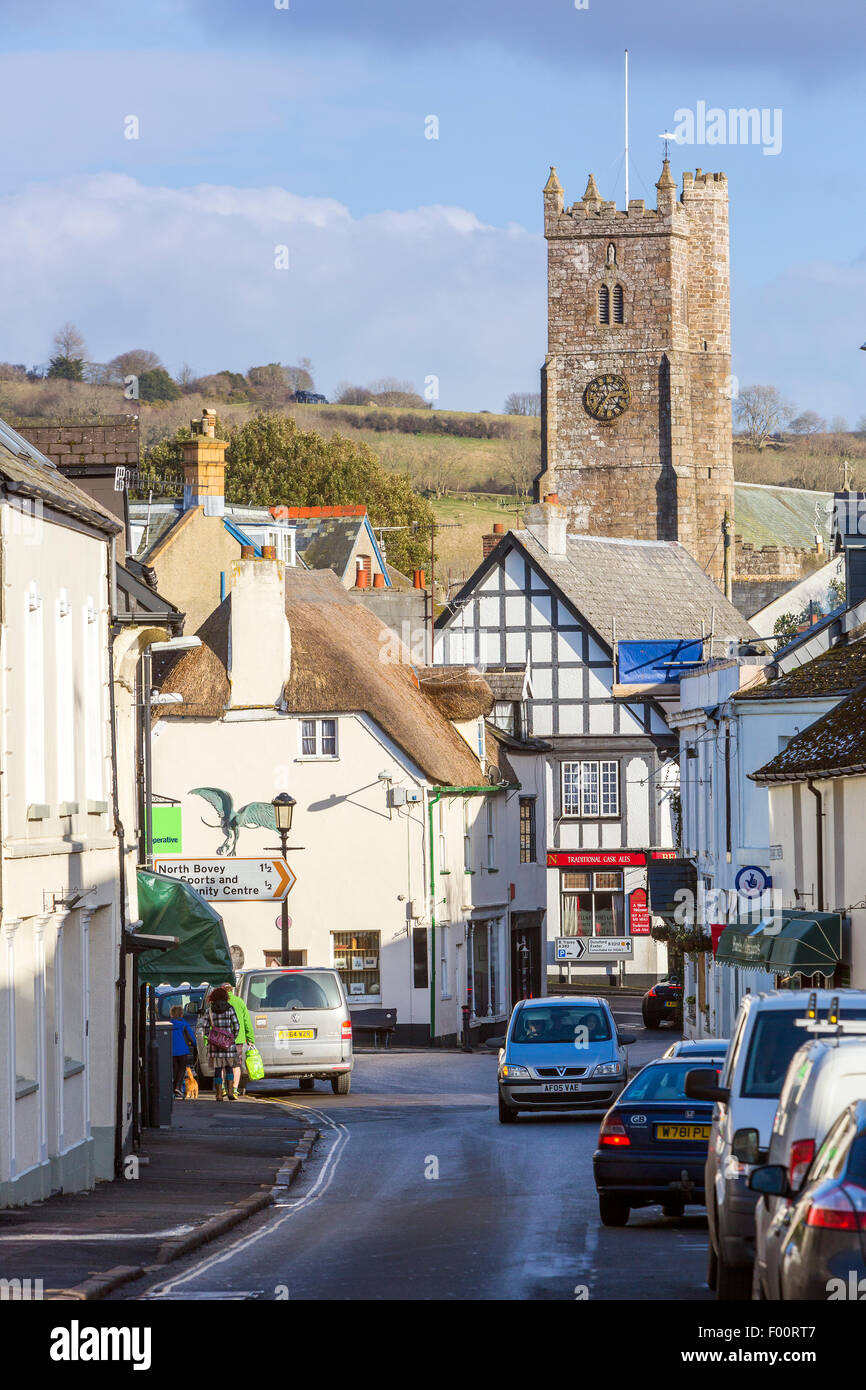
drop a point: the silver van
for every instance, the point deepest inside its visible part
(825, 1076)
(302, 1025)
(765, 1037)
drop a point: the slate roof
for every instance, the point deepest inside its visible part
(30, 474)
(766, 515)
(327, 542)
(834, 746)
(654, 589)
(506, 682)
(837, 671)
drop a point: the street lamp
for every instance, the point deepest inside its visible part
(284, 806)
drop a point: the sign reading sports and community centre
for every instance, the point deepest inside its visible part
(232, 880)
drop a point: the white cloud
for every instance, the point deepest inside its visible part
(190, 272)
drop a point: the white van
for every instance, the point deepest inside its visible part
(765, 1038)
(825, 1076)
(302, 1026)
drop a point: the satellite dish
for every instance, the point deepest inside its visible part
(494, 776)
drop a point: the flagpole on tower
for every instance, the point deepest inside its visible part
(626, 130)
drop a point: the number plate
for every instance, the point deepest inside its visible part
(674, 1132)
(557, 1086)
(292, 1034)
(671, 1003)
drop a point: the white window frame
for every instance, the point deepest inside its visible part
(34, 698)
(319, 737)
(467, 837)
(591, 789)
(443, 836)
(444, 962)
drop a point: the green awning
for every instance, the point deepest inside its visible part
(746, 945)
(809, 943)
(170, 907)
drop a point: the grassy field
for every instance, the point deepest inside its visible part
(464, 520)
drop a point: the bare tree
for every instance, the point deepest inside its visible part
(760, 412)
(134, 363)
(523, 403)
(809, 422)
(523, 461)
(69, 343)
(186, 378)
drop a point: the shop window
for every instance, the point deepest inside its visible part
(590, 789)
(272, 958)
(356, 957)
(485, 961)
(592, 903)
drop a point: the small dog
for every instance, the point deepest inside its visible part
(191, 1087)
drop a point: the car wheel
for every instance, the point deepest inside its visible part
(758, 1295)
(675, 1207)
(712, 1267)
(342, 1085)
(507, 1116)
(613, 1209)
(307, 1083)
(734, 1282)
(651, 1022)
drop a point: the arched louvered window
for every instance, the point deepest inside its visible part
(603, 304)
(617, 304)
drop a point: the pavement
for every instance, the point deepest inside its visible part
(417, 1192)
(215, 1167)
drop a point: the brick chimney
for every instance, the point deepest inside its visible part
(490, 542)
(204, 471)
(548, 523)
(260, 641)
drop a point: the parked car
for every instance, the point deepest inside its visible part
(696, 1049)
(765, 1038)
(822, 1252)
(561, 1053)
(663, 1003)
(825, 1075)
(652, 1145)
(309, 398)
(301, 1023)
(190, 997)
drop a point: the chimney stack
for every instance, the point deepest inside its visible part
(204, 469)
(260, 642)
(548, 523)
(490, 542)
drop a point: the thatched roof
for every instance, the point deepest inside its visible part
(458, 692)
(343, 661)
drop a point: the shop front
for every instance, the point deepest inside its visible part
(793, 949)
(600, 898)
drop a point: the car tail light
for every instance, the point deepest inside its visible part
(346, 1029)
(834, 1211)
(612, 1135)
(802, 1154)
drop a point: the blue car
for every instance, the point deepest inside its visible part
(652, 1145)
(561, 1053)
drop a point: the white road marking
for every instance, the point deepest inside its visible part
(319, 1188)
(86, 1238)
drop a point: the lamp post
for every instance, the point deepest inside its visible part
(284, 806)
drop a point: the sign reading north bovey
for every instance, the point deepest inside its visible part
(593, 948)
(232, 880)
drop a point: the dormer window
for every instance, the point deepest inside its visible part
(603, 304)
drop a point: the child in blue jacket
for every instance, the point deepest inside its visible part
(182, 1049)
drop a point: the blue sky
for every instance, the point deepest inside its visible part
(305, 126)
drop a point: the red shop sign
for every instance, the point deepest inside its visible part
(638, 913)
(593, 859)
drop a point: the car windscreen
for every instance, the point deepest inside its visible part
(660, 1083)
(560, 1023)
(190, 1003)
(314, 989)
(775, 1038)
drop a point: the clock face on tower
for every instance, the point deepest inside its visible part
(606, 396)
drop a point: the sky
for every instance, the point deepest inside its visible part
(259, 125)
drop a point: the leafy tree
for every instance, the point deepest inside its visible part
(157, 385)
(271, 462)
(67, 368)
(785, 627)
(761, 411)
(836, 594)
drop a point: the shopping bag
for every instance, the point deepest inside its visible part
(254, 1064)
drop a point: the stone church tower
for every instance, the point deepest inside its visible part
(636, 409)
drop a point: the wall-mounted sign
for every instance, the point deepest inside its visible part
(166, 830)
(663, 854)
(752, 881)
(232, 880)
(593, 949)
(775, 851)
(593, 858)
(638, 913)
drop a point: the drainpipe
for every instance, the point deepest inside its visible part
(819, 839)
(121, 853)
(728, 568)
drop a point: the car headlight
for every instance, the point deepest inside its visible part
(512, 1072)
(608, 1069)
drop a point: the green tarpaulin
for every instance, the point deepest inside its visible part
(808, 943)
(744, 944)
(170, 907)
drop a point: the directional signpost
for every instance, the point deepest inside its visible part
(593, 948)
(232, 880)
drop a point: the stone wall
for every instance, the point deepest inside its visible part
(111, 440)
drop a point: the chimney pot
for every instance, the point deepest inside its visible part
(498, 528)
(553, 498)
(269, 552)
(379, 580)
(418, 579)
(362, 578)
(248, 552)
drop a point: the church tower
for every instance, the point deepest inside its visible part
(636, 386)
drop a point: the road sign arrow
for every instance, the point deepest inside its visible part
(580, 947)
(287, 879)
